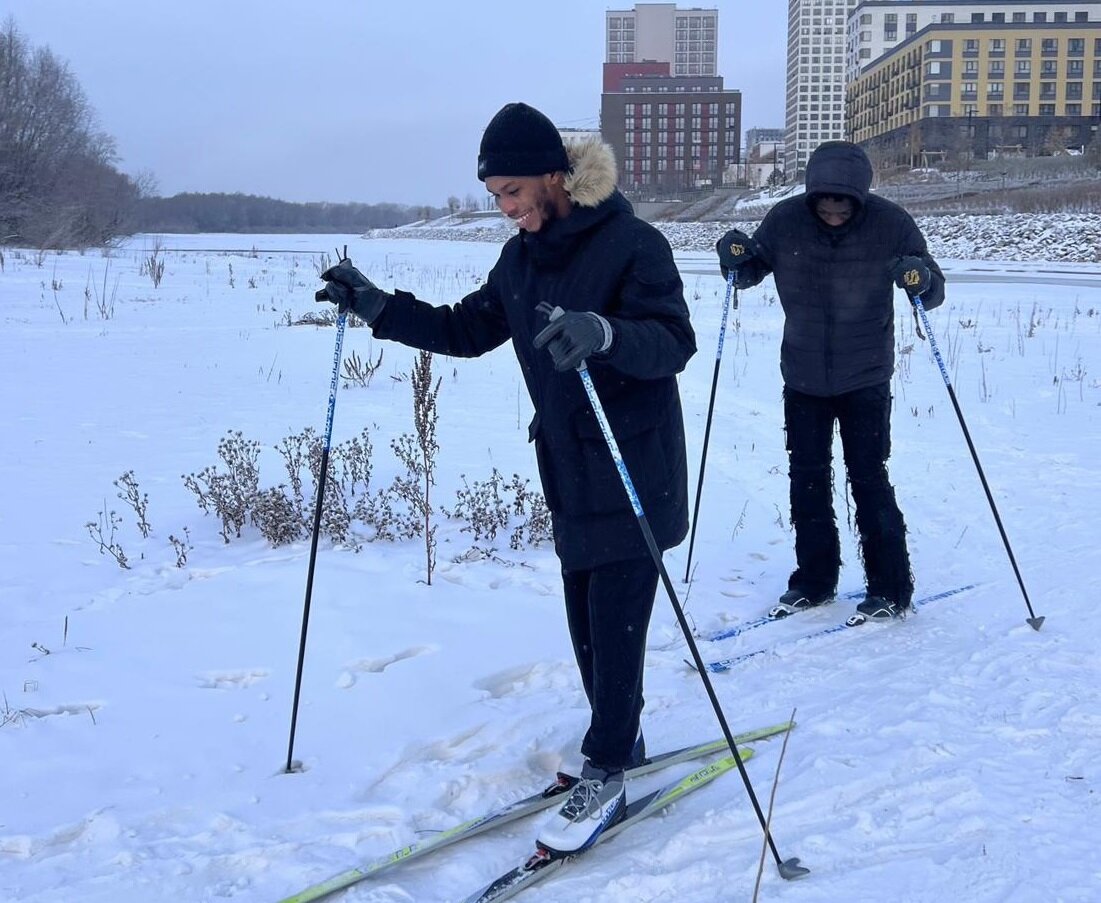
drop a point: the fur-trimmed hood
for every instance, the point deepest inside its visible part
(592, 176)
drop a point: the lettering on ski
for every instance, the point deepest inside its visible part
(541, 864)
(514, 811)
(718, 667)
(734, 630)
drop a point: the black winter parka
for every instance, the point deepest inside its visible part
(600, 258)
(835, 283)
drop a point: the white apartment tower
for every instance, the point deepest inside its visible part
(815, 77)
(687, 39)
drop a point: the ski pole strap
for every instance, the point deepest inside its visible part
(917, 320)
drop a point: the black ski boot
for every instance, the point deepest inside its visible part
(795, 600)
(880, 608)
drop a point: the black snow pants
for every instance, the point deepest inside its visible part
(864, 421)
(608, 610)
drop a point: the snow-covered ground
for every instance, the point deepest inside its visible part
(145, 711)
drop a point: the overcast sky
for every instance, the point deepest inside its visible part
(352, 100)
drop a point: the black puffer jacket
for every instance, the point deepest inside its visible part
(835, 283)
(600, 258)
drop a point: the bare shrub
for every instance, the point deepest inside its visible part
(229, 495)
(103, 531)
(181, 546)
(153, 265)
(277, 517)
(418, 454)
(127, 485)
(490, 506)
(360, 374)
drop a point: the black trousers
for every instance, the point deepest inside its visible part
(864, 421)
(608, 610)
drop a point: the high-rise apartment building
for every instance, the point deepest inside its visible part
(664, 111)
(815, 77)
(687, 39)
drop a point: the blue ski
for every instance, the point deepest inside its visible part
(717, 667)
(753, 623)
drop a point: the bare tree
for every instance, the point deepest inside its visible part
(58, 185)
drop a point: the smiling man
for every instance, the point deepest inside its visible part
(581, 249)
(836, 253)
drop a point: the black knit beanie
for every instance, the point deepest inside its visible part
(520, 141)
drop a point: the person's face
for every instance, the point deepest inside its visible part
(529, 201)
(834, 211)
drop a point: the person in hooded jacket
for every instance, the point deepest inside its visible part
(618, 306)
(836, 253)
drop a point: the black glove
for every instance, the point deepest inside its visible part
(572, 336)
(350, 290)
(735, 249)
(912, 275)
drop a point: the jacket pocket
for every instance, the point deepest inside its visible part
(639, 423)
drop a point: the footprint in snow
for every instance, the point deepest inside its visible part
(228, 680)
(378, 665)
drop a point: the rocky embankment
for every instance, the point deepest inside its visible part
(1074, 237)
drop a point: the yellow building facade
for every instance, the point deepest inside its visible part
(980, 89)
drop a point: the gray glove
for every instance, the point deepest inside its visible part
(350, 290)
(572, 336)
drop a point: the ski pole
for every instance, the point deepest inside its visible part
(318, 505)
(790, 868)
(1033, 621)
(710, 411)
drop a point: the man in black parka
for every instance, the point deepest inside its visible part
(582, 250)
(836, 253)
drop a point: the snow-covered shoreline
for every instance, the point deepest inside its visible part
(1070, 237)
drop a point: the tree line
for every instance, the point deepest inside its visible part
(60, 188)
(191, 212)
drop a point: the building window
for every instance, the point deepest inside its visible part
(996, 47)
(1076, 46)
(1049, 46)
(1020, 17)
(1047, 109)
(993, 109)
(1024, 47)
(1023, 69)
(1021, 90)
(1074, 91)
(1039, 17)
(1074, 109)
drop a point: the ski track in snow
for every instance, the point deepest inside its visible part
(951, 756)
